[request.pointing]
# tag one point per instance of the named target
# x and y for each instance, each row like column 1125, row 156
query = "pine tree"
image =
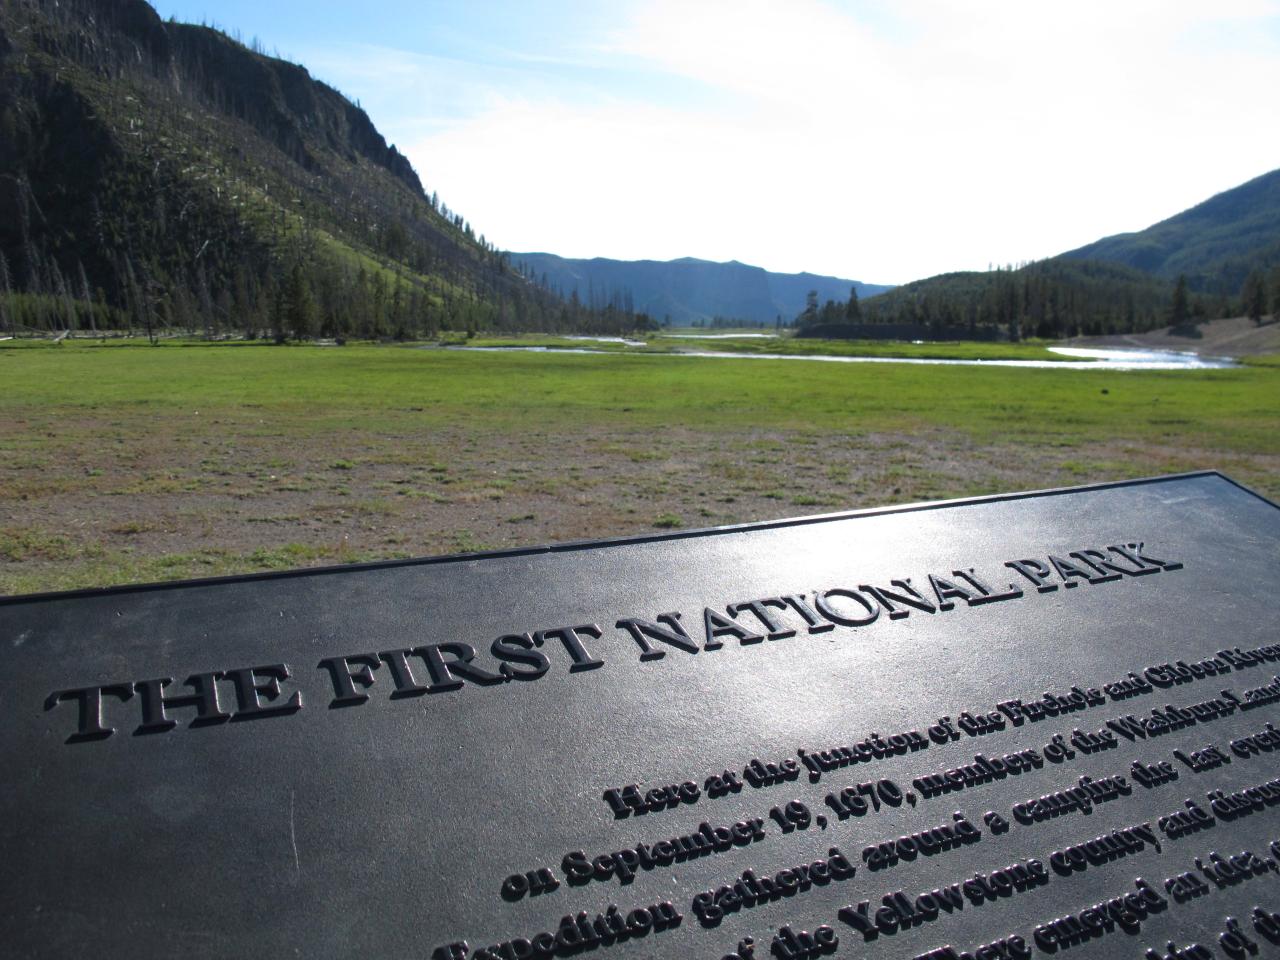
column 852, row 310
column 278, row 305
column 1179, row 312
column 244, row 307
column 6, row 314
column 300, row 315
column 1255, row 297
column 810, row 315
column 86, row 295
column 1275, row 292
column 60, row 289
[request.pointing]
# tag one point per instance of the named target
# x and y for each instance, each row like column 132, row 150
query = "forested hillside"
column 159, row 174
column 1215, row 244
column 688, row 290
column 1220, row 258
column 1051, row 298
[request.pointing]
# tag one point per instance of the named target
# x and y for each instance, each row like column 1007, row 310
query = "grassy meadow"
column 123, row 463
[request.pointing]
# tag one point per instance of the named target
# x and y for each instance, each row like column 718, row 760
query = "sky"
column 881, row 142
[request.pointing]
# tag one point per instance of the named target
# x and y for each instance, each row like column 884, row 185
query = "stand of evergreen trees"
column 1052, row 299
column 299, row 297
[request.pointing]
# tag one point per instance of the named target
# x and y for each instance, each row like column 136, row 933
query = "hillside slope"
column 689, row 290
column 156, row 173
column 1215, row 243
column 1118, row 285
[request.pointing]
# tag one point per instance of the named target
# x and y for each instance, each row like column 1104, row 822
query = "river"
column 1083, row 358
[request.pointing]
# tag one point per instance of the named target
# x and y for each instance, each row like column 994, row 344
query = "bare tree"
column 87, row 296
column 6, row 315
column 63, row 292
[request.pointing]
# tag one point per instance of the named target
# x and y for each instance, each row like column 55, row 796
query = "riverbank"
column 1234, row 337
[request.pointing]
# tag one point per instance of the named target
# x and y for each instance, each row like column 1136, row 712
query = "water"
column 622, row 340
column 1133, row 359
column 1089, row 358
column 720, row 336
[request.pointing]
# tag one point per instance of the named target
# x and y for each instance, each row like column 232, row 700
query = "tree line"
column 1052, row 299
column 297, row 295
column 1261, row 295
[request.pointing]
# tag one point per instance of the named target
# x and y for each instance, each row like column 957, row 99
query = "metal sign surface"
column 1010, row 727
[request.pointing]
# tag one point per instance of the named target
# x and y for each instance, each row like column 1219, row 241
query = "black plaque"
column 1007, row 727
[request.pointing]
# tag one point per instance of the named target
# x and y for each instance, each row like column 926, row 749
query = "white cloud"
column 938, row 137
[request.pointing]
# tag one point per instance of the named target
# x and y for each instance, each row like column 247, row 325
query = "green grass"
column 543, row 340
column 660, row 436
column 19, row 544
column 379, row 389
column 123, row 566
column 1270, row 360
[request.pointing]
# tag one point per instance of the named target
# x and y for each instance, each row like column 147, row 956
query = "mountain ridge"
column 1214, row 243
column 156, row 173
column 690, row 289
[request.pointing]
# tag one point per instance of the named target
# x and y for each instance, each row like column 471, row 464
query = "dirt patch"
column 112, row 500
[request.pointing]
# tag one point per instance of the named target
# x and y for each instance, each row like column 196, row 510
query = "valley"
column 239, row 333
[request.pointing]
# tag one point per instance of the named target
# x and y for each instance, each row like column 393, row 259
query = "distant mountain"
column 688, row 290
column 1215, row 243
column 155, row 173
